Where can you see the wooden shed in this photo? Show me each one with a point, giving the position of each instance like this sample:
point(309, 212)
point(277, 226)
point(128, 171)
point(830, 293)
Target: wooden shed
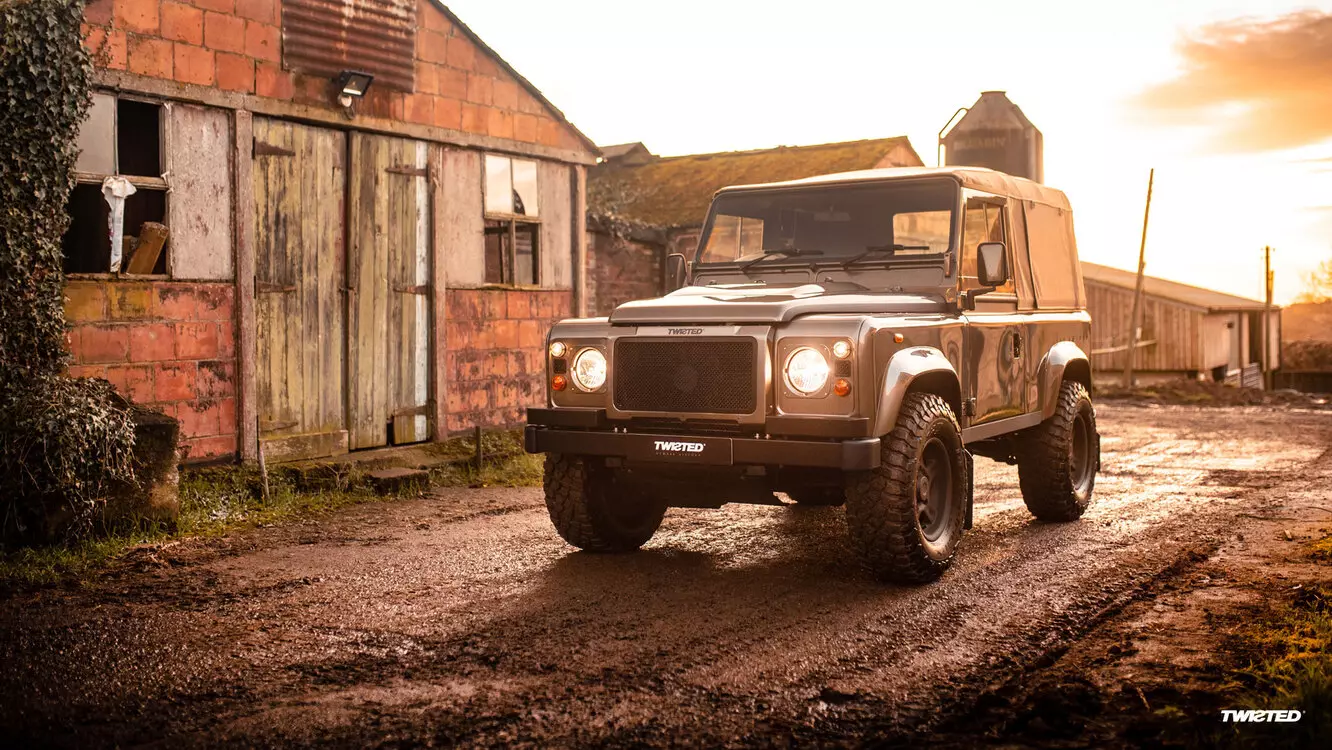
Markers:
point(371, 221)
point(1187, 331)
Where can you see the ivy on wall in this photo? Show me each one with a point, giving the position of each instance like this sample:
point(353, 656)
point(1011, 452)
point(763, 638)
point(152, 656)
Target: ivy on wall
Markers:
point(64, 443)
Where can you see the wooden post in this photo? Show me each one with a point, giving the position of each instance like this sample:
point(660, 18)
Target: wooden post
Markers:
point(580, 301)
point(1135, 318)
point(1266, 359)
point(246, 331)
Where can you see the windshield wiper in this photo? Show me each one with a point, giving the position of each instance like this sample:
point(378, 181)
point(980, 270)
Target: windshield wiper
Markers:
point(876, 249)
point(788, 252)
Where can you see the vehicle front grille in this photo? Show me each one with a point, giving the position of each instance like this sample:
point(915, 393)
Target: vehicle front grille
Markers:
point(715, 377)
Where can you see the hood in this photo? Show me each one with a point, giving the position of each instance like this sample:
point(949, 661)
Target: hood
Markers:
point(762, 303)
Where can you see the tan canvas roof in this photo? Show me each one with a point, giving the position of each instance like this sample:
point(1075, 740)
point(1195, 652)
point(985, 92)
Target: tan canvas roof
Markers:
point(978, 178)
point(1207, 299)
point(675, 191)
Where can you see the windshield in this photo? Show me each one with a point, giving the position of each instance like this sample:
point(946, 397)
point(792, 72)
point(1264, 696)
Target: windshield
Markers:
point(831, 222)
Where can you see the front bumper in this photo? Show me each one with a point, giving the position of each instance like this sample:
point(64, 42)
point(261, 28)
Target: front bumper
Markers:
point(587, 433)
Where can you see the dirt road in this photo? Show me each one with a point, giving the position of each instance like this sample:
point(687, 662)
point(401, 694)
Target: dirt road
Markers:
point(462, 618)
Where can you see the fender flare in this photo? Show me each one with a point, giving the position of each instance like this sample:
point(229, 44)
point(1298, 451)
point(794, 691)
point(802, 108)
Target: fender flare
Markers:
point(903, 369)
point(1051, 374)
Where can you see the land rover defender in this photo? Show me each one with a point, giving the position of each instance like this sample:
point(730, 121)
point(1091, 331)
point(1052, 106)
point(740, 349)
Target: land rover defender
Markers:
point(846, 339)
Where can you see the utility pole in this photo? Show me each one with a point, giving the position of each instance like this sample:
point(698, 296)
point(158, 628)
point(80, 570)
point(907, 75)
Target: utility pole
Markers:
point(1136, 315)
point(1266, 359)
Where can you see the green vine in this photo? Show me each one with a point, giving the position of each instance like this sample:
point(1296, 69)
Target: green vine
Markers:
point(64, 443)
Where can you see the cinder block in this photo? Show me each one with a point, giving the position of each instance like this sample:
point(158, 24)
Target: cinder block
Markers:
point(85, 302)
point(264, 11)
point(152, 342)
point(174, 301)
point(194, 65)
point(451, 83)
point(272, 81)
point(150, 57)
point(98, 343)
point(196, 341)
point(263, 41)
point(175, 381)
point(235, 73)
point(130, 301)
point(134, 382)
point(139, 16)
point(448, 112)
point(224, 33)
point(182, 23)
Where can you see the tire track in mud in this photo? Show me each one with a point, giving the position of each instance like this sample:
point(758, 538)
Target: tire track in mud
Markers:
point(732, 626)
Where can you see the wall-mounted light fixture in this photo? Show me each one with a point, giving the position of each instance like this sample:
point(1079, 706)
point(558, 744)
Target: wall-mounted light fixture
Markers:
point(352, 85)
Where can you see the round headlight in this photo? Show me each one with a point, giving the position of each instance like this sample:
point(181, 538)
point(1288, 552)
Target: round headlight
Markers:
point(558, 349)
point(841, 349)
point(807, 370)
point(589, 369)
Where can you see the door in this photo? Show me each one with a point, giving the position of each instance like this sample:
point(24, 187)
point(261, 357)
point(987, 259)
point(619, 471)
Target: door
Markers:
point(388, 336)
point(299, 184)
point(993, 377)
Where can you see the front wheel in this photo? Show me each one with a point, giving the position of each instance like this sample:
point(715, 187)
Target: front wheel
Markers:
point(1057, 460)
point(906, 516)
point(593, 511)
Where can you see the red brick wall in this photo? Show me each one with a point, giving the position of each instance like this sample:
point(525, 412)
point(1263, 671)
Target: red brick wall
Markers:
point(495, 362)
point(620, 270)
point(236, 45)
point(166, 344)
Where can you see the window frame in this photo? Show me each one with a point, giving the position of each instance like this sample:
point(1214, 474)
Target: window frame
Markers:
point(140, 182)
point(1005, 293)
point(511, 222)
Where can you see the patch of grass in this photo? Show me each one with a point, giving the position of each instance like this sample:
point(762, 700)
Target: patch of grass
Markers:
point(218, 501)
point(1292, 669)
point(1321, 549)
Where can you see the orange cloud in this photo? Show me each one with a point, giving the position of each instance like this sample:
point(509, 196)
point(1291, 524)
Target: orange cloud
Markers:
point(1257, 85)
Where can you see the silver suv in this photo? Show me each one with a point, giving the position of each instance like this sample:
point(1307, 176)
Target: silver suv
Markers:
point(847, 339)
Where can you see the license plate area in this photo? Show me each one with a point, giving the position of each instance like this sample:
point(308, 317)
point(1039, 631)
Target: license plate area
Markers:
point(711, 451)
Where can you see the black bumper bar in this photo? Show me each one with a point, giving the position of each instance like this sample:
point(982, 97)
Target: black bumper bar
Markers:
point(690, 450)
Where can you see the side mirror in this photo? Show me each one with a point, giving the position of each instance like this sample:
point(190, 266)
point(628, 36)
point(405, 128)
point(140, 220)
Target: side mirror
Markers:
point(677, 271)
point(992, 264)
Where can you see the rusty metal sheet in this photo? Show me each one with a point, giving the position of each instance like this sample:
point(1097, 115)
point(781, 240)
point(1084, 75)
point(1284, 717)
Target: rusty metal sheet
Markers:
point(326, 37)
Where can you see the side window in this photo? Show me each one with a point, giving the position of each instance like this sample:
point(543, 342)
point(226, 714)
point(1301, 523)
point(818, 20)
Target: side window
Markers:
point(1053, 256)
point(118, 176)
point(983, 222)
point(512, 221)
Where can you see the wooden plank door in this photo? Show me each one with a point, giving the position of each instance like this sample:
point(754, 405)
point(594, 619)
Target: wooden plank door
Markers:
point(300, 266)
point(388, 342)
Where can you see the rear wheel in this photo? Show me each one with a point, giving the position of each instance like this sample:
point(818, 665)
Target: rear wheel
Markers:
point(816, 497)
point(593, 511)
point(1057, 460)
point(906, 516)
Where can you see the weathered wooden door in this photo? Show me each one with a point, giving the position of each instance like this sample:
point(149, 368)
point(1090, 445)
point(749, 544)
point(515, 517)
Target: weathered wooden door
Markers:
point(388, 344)
point(300, 266)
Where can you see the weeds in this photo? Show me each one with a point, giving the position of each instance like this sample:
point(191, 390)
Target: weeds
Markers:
point(219, 501)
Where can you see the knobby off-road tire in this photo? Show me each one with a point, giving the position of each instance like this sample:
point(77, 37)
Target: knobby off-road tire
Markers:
point(818, 497)
point(906, 516)
point(594, 512)
point(1057, 460)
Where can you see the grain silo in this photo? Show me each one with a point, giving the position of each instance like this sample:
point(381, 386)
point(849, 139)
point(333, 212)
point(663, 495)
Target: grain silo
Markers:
point(994, 133)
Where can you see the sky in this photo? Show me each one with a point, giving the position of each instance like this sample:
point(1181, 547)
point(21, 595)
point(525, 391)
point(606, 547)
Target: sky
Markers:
point(1230, 102)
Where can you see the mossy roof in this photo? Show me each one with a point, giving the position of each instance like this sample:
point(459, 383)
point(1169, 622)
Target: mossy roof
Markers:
point(675, 191)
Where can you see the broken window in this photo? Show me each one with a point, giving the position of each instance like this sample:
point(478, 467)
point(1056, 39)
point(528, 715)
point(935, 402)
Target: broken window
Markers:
point(119, 183)
point(512, 228)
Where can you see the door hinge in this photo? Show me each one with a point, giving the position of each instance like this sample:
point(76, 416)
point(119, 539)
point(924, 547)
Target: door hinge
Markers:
point(969, 407)
point(1017, 345)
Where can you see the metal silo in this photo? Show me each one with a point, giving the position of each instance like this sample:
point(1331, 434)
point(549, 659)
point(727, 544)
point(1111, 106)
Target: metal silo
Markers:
point(994, 133)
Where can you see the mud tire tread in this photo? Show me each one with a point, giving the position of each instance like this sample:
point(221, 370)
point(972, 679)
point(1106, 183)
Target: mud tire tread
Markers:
point(881, 504)
point(1043, 467)
point(575, 514)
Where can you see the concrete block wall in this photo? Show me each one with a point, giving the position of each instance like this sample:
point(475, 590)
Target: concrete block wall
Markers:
point(495, 361)
point(169, 345)
point(620, 270)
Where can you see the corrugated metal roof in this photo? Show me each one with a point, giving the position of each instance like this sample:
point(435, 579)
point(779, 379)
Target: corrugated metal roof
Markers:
point(675, 191)
point(1193, 296)
point(326, 37)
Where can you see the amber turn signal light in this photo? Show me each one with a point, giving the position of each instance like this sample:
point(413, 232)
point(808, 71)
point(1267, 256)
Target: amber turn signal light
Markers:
point(842, 387)
point(559, 382)
point(898, 338)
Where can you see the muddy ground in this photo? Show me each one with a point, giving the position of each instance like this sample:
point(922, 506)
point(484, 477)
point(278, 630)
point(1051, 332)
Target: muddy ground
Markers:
point(461, 618)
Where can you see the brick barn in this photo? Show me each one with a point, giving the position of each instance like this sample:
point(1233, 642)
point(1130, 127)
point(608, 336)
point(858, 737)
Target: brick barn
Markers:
point(642, 207)
point(340, 271)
